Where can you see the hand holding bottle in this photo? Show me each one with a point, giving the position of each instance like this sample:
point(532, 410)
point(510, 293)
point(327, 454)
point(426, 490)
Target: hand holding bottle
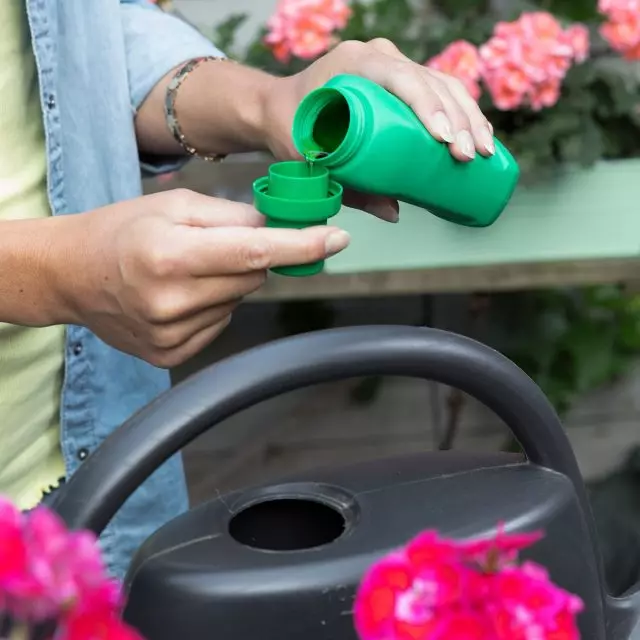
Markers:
point(441, 102)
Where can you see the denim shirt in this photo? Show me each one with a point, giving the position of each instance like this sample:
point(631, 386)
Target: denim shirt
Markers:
point(97, 60)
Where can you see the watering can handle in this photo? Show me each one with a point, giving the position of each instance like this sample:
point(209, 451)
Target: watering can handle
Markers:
point(129, 456)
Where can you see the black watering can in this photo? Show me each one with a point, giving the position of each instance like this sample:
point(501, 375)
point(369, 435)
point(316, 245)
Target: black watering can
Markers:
point(282, 562)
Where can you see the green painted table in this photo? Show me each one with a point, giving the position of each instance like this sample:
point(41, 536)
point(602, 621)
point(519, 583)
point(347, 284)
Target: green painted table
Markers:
point(582, 228)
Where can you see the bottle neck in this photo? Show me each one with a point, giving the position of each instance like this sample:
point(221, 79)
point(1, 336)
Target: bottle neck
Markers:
point(329, 125)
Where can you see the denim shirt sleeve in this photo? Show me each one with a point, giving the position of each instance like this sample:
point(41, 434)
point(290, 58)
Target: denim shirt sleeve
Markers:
point(155, 43)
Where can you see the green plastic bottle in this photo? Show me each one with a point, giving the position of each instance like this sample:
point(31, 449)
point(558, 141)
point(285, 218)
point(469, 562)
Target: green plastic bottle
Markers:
point(373, 142)
point(356, 134)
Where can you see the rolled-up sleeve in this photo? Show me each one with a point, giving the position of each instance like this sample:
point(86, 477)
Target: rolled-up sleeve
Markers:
point(157, 42)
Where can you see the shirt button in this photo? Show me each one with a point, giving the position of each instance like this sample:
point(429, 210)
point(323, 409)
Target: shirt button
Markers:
point(77, 349)
point(51, 101)
point(83, 453)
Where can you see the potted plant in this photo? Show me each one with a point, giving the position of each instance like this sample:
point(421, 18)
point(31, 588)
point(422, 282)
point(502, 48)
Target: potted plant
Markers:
point(559, 80)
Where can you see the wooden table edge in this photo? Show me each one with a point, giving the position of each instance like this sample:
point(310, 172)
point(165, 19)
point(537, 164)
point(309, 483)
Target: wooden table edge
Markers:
point(503, 277)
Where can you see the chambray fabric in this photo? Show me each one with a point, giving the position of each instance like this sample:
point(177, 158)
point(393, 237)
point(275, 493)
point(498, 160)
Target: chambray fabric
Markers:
point(97, 60)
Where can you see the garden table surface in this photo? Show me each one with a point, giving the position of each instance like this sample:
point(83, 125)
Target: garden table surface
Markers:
point(580, 228)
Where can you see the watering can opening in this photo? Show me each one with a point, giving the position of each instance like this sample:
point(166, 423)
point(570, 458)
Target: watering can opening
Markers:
point(287, 524)
point(297, 518)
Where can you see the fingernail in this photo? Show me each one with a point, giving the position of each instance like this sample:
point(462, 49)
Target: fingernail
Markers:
point(465, 142)
point(336, 242)
point(442, 126)
point(487, 141)
point(383, 211)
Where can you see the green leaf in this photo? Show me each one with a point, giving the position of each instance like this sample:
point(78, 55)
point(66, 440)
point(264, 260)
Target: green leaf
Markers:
point(582, 10)
point(596, 117)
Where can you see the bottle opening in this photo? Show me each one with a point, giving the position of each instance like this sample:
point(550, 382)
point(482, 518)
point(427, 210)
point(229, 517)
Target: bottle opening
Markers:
point(332, 123)
point(323, 127)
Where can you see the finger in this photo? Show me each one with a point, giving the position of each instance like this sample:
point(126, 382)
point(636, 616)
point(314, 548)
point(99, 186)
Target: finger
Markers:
point(459, 121)
point(481, 130)
point(405, 80)
point(382, 62)
point(463, 146)
point(236, 250)
point(450, 125)
point(178, 302)
point(194, 345)
point(198, 210)
point(379, 206)
point(426, 102)
point(169, 337)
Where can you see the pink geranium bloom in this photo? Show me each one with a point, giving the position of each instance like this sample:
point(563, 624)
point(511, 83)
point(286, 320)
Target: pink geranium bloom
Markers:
point(48, 573)
point(622, 28)
point(577, 37)
point(305, 28)
point(525, 62)
point(461, 60)
point(437, 589)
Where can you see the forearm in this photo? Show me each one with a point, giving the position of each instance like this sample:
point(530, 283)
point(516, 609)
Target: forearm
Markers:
point(30, 257)
point(220, 107)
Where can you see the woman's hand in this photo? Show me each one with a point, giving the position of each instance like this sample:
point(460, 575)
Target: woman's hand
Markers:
point(160, 276)
point(441, 102)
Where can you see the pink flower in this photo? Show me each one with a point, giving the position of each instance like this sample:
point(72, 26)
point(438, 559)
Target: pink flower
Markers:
point(96, 616)
point(50, 573)
point(435, 589)
point(622, 28)
point(525, 61)
point(463, 625)
point(13, 551)
point(461, 60)
point(305, 28)
point(524, 601)
point(498, 551)
point(577, 37)
point(60, 566)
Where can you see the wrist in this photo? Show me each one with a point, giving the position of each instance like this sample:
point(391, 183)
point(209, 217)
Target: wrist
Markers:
point(253, 111)
point(278, 112)
point(223, 108)
point(68, 266)
point(33, 289)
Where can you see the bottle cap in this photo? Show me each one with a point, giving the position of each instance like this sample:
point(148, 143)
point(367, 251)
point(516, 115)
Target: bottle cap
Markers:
point(296, 195)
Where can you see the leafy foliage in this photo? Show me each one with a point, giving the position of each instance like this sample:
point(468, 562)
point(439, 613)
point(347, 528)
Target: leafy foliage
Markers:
point(569, 341)
point(597, 117)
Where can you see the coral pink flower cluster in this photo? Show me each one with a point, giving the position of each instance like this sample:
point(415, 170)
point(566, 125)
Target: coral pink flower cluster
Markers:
point(49, 574)
point(622, 28)
point(461, 60)
point(305, 28)
point(522, 65)
point(437, 589)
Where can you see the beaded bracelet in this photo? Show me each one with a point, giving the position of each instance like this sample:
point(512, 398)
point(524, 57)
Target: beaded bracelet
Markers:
point(171, 115)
